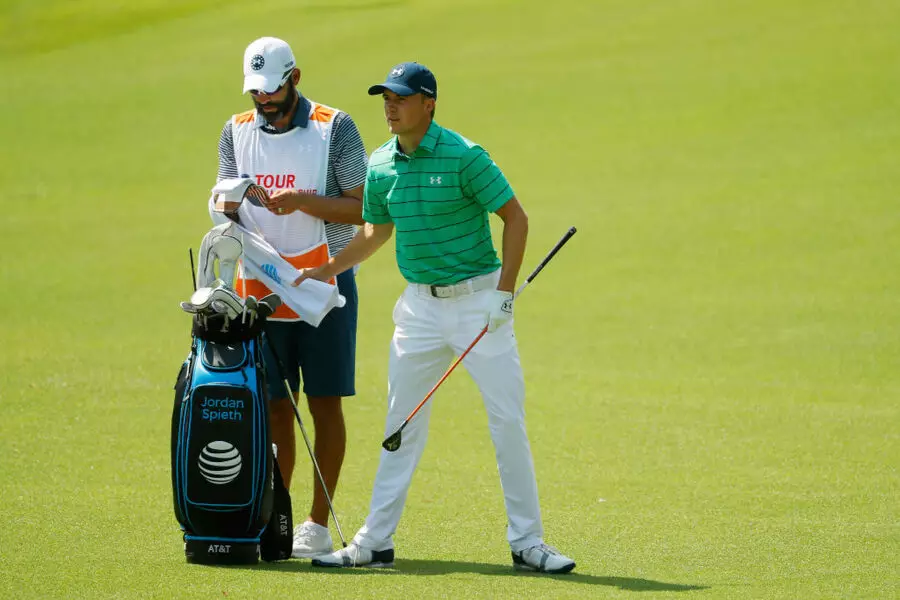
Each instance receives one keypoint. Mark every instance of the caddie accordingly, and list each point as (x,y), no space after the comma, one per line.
(437,190)
(308,163)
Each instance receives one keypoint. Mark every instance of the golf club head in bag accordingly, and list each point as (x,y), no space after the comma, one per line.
(267,305)
(221,315)
(188,308)
(248,316)
(224,309)
(218,299)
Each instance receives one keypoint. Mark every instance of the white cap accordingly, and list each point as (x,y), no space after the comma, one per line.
(265,62)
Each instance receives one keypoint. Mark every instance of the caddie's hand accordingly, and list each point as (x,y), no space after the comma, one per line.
(317,273)
(284,202)
(501,309)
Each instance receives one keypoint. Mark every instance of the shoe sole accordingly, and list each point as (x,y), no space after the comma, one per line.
(309,554)
(371,565)
(560,571)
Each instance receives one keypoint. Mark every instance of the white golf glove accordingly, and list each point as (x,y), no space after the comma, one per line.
(500,309)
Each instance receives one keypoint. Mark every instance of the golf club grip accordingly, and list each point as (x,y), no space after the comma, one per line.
(550,255)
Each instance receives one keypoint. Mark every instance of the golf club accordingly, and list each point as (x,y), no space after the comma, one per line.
(312,456)
(392,442)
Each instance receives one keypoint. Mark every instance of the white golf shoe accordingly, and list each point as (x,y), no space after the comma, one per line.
(354,556)
(311,539)
(543,559)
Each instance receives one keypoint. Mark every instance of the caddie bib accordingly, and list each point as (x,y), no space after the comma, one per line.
(297,160)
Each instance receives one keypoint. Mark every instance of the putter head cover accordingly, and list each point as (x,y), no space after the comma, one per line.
(220,245)
(232,191)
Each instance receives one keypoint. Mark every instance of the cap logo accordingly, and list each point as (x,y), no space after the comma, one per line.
(397,72)
(257,62)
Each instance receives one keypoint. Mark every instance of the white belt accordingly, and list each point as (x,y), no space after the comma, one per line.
(463,288)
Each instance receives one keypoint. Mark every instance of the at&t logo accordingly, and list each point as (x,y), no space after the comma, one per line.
(219,463)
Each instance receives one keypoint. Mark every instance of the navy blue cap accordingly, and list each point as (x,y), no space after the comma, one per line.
(407,79)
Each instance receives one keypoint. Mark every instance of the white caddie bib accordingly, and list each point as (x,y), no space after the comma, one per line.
(297,160)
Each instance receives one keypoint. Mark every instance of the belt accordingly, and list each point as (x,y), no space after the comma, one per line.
(463,288)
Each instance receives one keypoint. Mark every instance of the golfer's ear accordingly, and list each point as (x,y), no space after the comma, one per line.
(295,76)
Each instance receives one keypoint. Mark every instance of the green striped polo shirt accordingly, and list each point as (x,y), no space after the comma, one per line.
(439,198)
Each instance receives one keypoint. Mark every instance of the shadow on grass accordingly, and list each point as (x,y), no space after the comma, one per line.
(406,567)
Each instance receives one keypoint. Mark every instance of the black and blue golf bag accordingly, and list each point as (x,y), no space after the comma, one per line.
(229,496)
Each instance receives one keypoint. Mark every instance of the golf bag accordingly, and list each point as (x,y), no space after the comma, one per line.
(229,496)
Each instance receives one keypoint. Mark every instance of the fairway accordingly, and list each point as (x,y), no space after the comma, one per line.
(713,391)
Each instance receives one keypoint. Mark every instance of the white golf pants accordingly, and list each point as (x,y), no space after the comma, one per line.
(429,332)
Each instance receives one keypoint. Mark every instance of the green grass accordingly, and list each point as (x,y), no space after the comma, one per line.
(711,363)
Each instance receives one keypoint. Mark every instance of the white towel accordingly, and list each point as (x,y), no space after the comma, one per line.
(311,300)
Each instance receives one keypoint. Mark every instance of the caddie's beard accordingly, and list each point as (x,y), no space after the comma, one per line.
(283,107)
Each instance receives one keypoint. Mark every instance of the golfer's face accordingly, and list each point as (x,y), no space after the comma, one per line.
(404,113)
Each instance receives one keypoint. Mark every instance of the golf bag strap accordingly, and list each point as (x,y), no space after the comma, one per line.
(276,541)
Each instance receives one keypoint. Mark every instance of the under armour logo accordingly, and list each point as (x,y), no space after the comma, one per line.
(435,180)
(397,72)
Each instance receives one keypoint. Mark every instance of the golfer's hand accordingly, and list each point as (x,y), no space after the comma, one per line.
(500,309)
(318,274)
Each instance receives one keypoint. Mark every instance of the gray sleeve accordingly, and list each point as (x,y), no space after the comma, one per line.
(227,168)
(227,161)
(347,154)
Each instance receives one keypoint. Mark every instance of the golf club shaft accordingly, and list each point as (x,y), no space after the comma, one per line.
(315,462)
(445,376)
(193,271)
(529,279)
(243,280)
(312,455)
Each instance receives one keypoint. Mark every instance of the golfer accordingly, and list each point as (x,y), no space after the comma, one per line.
(436,188)
(308,163)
